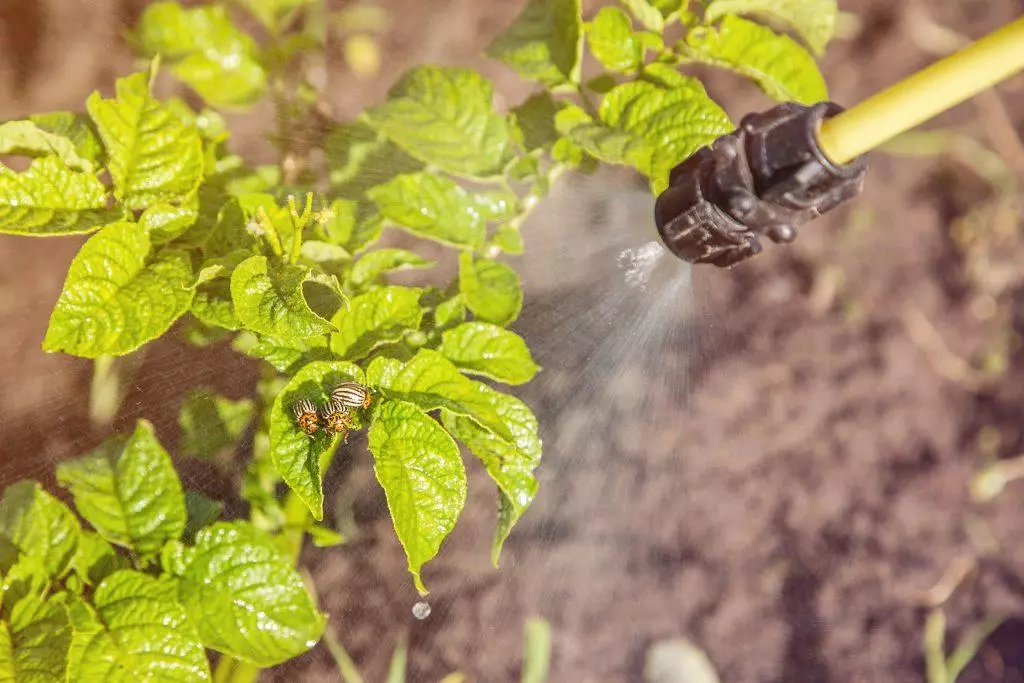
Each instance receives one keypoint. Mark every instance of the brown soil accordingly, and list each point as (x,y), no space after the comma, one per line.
(780,477)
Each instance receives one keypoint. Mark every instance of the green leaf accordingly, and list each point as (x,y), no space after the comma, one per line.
(381,261)
(283,355)
(813,20)
(419,466)
(316,251)
(322,537)
(75,127)
(432,206)
(777,63)
(368,229)
(164,222)
(666,76)
(96,559)
(380,316)
(212,304)
(360,157)
(269,300)
(36,525)
(205,50)
(666,125)
(669,7)
(509,462)
(34,641)
(228,234)
(489,350)
(431,381)
(535,118)
(27,578)
(600,141)
(297,455)
(612,41)
(338,229)
(117,296)
(271,12)
(492,289)
(138,632)
(26,138)
(202,512)
(648,14)
(51,199)
(382,371)
(497,205)
(508,239)
(647,126)
(210,423)
(155,155)
(245,596)
(544,43)
(450,312)
(129,491)
(444,116)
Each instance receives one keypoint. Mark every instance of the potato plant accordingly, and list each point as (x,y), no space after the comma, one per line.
(282,261)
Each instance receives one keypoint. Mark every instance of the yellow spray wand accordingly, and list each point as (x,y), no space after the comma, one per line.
(929,92)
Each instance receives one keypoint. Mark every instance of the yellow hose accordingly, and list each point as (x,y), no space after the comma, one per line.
(929,92)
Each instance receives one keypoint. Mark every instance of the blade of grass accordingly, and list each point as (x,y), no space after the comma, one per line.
(537,654)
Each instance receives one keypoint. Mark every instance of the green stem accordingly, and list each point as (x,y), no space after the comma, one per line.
(934,647)
(298,225)
(924,95)
(588,104)
(531,199)
(969,646)
(105,391)
(270,233)
(231,670)
(346,667)
(537,651)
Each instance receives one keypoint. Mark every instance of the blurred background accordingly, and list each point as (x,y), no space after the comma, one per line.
(778,462)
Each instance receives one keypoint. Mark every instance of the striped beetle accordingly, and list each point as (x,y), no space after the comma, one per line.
(306,416)
(337,419)
(352,394)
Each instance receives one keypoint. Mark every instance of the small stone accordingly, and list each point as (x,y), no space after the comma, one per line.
(421,610)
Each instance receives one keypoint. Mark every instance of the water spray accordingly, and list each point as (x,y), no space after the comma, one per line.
(784,167)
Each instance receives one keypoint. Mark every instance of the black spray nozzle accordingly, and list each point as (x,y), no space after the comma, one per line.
(764,179)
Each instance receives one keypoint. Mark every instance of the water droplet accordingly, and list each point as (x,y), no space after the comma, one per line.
(638,263)
(421,610)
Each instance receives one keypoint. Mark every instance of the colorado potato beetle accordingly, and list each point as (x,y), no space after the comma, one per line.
(352,394)
(337,419)
(306,416)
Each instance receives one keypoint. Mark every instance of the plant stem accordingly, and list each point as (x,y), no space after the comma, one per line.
(346,667)
(588,104)
(969,646)
(105,393)
(537,651)
(298,225)
(934,647)
(270,233)
(531,199)
(231,670)
(922,96)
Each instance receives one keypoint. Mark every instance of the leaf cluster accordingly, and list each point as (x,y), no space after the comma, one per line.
(284,262)
(155,583)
